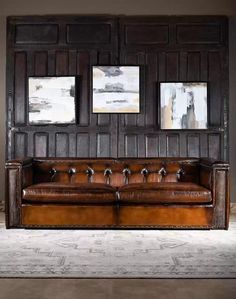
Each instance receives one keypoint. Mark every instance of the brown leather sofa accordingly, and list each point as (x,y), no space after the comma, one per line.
(117,193)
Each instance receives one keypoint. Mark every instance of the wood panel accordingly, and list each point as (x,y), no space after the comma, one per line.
(151,146)
(72,145)
(103,145)
(199,34)
(40,63)
(89,33)
(173,145)
(131,146)
(146,34)
(188,54)
(150,88)
(36,34)
(41,145)
(204,145)
(193,145)
(167,48)
(62,63)
(20,145)
(214,77)
(20,88)
(172,66)
(62,145)
(214,149)
(193,68)
(83,144)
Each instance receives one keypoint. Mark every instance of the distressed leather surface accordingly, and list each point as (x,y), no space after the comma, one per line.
(116,172)
(69,193)
(165,193)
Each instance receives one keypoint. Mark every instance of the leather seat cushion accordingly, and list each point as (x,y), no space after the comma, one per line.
(69,193)
(152,193)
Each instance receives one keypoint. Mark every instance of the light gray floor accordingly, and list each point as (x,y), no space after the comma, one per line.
(117,288)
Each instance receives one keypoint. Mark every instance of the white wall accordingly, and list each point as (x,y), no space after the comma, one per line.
(127,7)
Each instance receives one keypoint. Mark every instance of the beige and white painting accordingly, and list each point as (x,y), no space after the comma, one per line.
(51,100)
(116,89)
(183,105)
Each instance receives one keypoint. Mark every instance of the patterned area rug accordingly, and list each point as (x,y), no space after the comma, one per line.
(118,253)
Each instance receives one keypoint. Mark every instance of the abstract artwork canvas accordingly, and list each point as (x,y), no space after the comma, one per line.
(51,100)
(183,105)
(116,89)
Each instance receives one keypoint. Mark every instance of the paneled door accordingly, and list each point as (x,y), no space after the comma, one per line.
(174,49)
(59,46)
(168,48)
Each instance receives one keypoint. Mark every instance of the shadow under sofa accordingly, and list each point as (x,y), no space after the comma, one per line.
(163,193)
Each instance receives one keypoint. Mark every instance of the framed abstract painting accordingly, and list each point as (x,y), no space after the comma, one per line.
(51,100)
(116,89)
(183,105)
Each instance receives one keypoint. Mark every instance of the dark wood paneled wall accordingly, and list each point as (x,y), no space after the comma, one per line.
(168,48)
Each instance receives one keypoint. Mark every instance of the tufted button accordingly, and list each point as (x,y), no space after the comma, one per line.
(162,171)
(53,171)
(89,171)
(180,173)
(144,171)
(107,172)
(126,171)
(72,171)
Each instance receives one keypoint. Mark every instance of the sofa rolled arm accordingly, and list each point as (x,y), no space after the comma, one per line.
(214,175)
(19,174)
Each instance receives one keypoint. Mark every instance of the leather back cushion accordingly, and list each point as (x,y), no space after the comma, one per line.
(116,172)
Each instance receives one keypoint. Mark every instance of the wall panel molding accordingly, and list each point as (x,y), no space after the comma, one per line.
(168,48)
